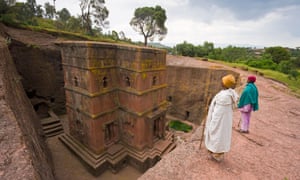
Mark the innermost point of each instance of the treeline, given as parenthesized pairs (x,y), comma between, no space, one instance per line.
(285,60)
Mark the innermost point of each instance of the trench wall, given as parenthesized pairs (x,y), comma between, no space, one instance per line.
(190,90)
(23,152)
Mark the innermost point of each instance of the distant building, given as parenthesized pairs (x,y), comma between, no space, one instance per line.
(258,52)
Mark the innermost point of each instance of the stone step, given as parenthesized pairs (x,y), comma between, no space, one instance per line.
(53,131)
(79,150)
(92,159)
(166,144)
(170,148)
(56,128)
(52,126)
(49,120)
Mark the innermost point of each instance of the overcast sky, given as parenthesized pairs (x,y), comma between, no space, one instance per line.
(259,23)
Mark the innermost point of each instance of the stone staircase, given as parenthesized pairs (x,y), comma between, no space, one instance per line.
(52,125)
(118,155)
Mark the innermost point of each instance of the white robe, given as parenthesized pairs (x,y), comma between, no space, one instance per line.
(218,126)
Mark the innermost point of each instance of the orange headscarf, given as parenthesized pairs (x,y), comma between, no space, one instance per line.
(228,81)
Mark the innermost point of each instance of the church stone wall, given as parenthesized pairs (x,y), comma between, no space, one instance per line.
(109,86)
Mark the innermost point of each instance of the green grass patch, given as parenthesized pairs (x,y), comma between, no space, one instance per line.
(292,83)
(180,126)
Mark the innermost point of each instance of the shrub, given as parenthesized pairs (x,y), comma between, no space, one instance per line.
(262,64)
(180,126)
(285,67)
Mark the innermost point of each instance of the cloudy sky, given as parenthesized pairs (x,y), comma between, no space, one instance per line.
(257,23)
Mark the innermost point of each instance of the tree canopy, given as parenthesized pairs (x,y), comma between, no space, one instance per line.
(278,54)
(93,11)
(150,22)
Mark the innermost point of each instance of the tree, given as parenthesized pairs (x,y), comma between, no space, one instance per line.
(39,11)
(63,15)
(11,2)
(23,13)
(93,11)
(185,49)
(49,10)
(3,7)
(278,54)
(74,24)
(232,53)
(5,4)
(208,47)
(32,6)
(150,22)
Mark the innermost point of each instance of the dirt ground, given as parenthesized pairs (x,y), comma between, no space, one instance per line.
(270,151)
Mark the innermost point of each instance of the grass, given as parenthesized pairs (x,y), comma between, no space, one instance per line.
(180,126)
(49,27)
(292,84)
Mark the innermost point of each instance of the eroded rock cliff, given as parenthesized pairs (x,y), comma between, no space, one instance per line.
(23,153)
(38,62)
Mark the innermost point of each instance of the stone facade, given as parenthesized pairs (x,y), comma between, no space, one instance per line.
(191,89)
(116,104)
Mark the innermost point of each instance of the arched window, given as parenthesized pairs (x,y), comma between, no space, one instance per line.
(127,81)
(154,79)
(105,82)
(75,81)
(187,114)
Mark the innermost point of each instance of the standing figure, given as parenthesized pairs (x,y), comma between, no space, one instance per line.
(218,126)
(248,103)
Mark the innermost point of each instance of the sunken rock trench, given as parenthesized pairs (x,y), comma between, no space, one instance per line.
(32,88)
(23,153)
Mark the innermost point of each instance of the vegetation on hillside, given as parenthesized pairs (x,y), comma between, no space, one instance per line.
(279,63)
(89,25)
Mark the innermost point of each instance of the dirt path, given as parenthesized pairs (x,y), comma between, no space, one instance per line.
(270,151)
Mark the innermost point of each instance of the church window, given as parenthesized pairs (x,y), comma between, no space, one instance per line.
(105,82)
(75,81)
(154,81)
(127,81)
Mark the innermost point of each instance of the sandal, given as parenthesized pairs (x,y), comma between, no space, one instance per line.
(218,157)
(242,131)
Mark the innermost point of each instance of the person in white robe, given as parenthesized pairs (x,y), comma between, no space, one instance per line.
(218,126)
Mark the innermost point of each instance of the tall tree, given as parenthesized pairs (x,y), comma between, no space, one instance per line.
(11,2)
(150,22)
(39,11)
(32,6)
(49,10)
(7,3)
(93,11)
(63,15)
(3,7)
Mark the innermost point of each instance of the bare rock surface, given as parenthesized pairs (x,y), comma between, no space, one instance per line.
(270,151)
(23,152)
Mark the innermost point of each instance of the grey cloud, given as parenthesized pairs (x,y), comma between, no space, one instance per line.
(245,9)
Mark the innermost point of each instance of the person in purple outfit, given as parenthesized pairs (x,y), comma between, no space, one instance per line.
(248,102)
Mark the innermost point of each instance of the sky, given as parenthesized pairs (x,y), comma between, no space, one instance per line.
(249,23)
